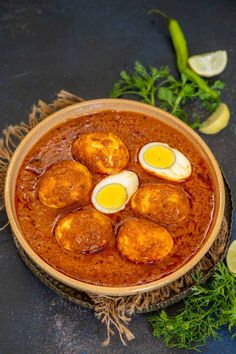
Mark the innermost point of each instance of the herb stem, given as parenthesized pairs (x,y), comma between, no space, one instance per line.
(152,101)
(177,102)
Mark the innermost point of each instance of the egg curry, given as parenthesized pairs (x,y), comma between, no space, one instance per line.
(115,198)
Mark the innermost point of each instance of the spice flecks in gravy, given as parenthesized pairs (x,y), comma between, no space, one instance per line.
(108,267)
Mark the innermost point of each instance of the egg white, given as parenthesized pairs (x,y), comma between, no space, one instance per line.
(128,179)
(181,169)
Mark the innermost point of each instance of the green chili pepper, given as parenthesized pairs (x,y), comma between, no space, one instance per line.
(202,84)
(179,44)
(181,50)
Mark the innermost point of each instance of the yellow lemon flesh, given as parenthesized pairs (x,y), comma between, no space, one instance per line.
(159,156)
(209,64)
(231,258)
(112,196)
(217,121)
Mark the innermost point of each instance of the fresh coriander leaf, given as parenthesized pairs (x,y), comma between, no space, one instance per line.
(125,77)
(218,85)
(158,87)
(139,68)
(165,94)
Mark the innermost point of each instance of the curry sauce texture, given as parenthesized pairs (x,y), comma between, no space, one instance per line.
(106,265)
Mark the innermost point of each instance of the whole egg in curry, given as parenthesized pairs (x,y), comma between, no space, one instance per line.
(101,152)
(96,205)
(143,241)
(162,203)
(65,183)
(84,231)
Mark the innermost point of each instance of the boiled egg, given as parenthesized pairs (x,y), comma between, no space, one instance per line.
(101,152)
(143,241)
(162,203)
(65,183)
(114,192)
(84,231)
(161,160)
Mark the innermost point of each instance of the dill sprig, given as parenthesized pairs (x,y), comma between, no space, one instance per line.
(206,309)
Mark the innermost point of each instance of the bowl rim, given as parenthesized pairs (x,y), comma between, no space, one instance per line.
(101,105)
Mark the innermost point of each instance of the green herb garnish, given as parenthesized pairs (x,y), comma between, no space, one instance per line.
(143,83)
(158,87)
(206,309)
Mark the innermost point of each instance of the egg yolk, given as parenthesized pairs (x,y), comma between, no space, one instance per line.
(159,156)
(112,196)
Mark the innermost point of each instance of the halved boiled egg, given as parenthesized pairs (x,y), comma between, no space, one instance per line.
(163,161)
(114,192)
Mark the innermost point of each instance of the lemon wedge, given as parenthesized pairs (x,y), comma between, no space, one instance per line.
(217,120)
(231,258)
(209,64)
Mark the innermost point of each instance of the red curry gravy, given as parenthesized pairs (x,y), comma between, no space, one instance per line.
(108,267)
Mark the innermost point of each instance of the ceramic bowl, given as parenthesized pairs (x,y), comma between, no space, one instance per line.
(93,106)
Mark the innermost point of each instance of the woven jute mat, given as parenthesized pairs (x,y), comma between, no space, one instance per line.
(114,312)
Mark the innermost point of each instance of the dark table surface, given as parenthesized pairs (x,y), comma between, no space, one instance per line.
(81,46)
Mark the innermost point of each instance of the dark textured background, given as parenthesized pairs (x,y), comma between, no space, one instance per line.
(81,46)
